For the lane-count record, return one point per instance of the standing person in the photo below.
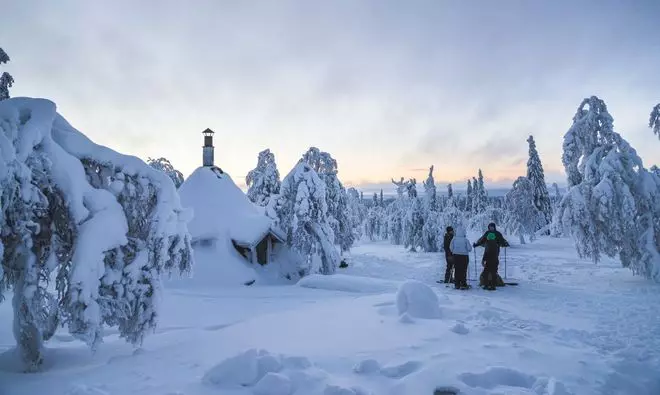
(460, 248)
(448, 255)
(492, 240)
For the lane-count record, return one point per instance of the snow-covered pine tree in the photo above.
(302, 211)
(326, 168)
(536, 176)
(264, 180)
(450, 191)
(431, 192)
(380, 201)
(355, 210)
(468, 197)
(522, 216)
(480, 195)
(166, 167)
(414, 225)
(105, 225)
(396, 213)
(6, 80)
(654, 120)
(612, 206)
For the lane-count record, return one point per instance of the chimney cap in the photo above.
(208, 132)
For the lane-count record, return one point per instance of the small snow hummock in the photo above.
(239, 370)
(273, 384)
(460, 329)
(347, 283)
(417, 300)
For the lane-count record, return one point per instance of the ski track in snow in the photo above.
(598, 319)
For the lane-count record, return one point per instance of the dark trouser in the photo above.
(460, 270)
(490, 271)
(450, 265)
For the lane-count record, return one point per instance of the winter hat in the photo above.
(493, 225)
(449, 229)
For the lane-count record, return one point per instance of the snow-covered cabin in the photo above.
(223, 213)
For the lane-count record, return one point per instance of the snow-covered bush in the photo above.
(264, 180)
(612, 206)
(166, 167)
(105, 225)
(302, 213)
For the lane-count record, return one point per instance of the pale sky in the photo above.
(387, 87)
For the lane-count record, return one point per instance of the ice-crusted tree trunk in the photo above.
(536, 176)
(164, 165)
(522, 216)
(105, 225)
(654, 120)
(612, 206)
(6, 80)
(264, 180)
(302, 211)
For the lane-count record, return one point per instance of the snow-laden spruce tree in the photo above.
(302, 213)
(522, 216)
(431, 192)
(356, 211)
(430, 230)
(450, 191)
(612, 206)
(166, 167)
(654, 120)
(106, 226)
(264, 180)
(396, 212)
(468, 197)
(479, 195)
(6, 80)
(536, 176)
(413, 229)
(326, 167)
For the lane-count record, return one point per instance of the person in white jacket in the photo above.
(460, 248)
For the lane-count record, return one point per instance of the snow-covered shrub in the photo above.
(612, 206)
(264, 180)
(106, 225)
(166, 167)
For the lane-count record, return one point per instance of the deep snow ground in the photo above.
(570, 327)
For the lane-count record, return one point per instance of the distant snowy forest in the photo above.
(87, 233)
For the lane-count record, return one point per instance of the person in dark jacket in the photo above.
(448, 255)
(492, 240)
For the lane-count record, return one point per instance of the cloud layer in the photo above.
(386, 87)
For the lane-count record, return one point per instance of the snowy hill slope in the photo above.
(571, 327)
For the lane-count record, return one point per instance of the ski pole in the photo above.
(505, 263)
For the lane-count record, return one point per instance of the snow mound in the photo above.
(263, 372)
(273, 384)
(367, 366)
(417, 300)
(80, 389)
(460, 329)
(337, 390)
(347, 283)
(239, 370)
